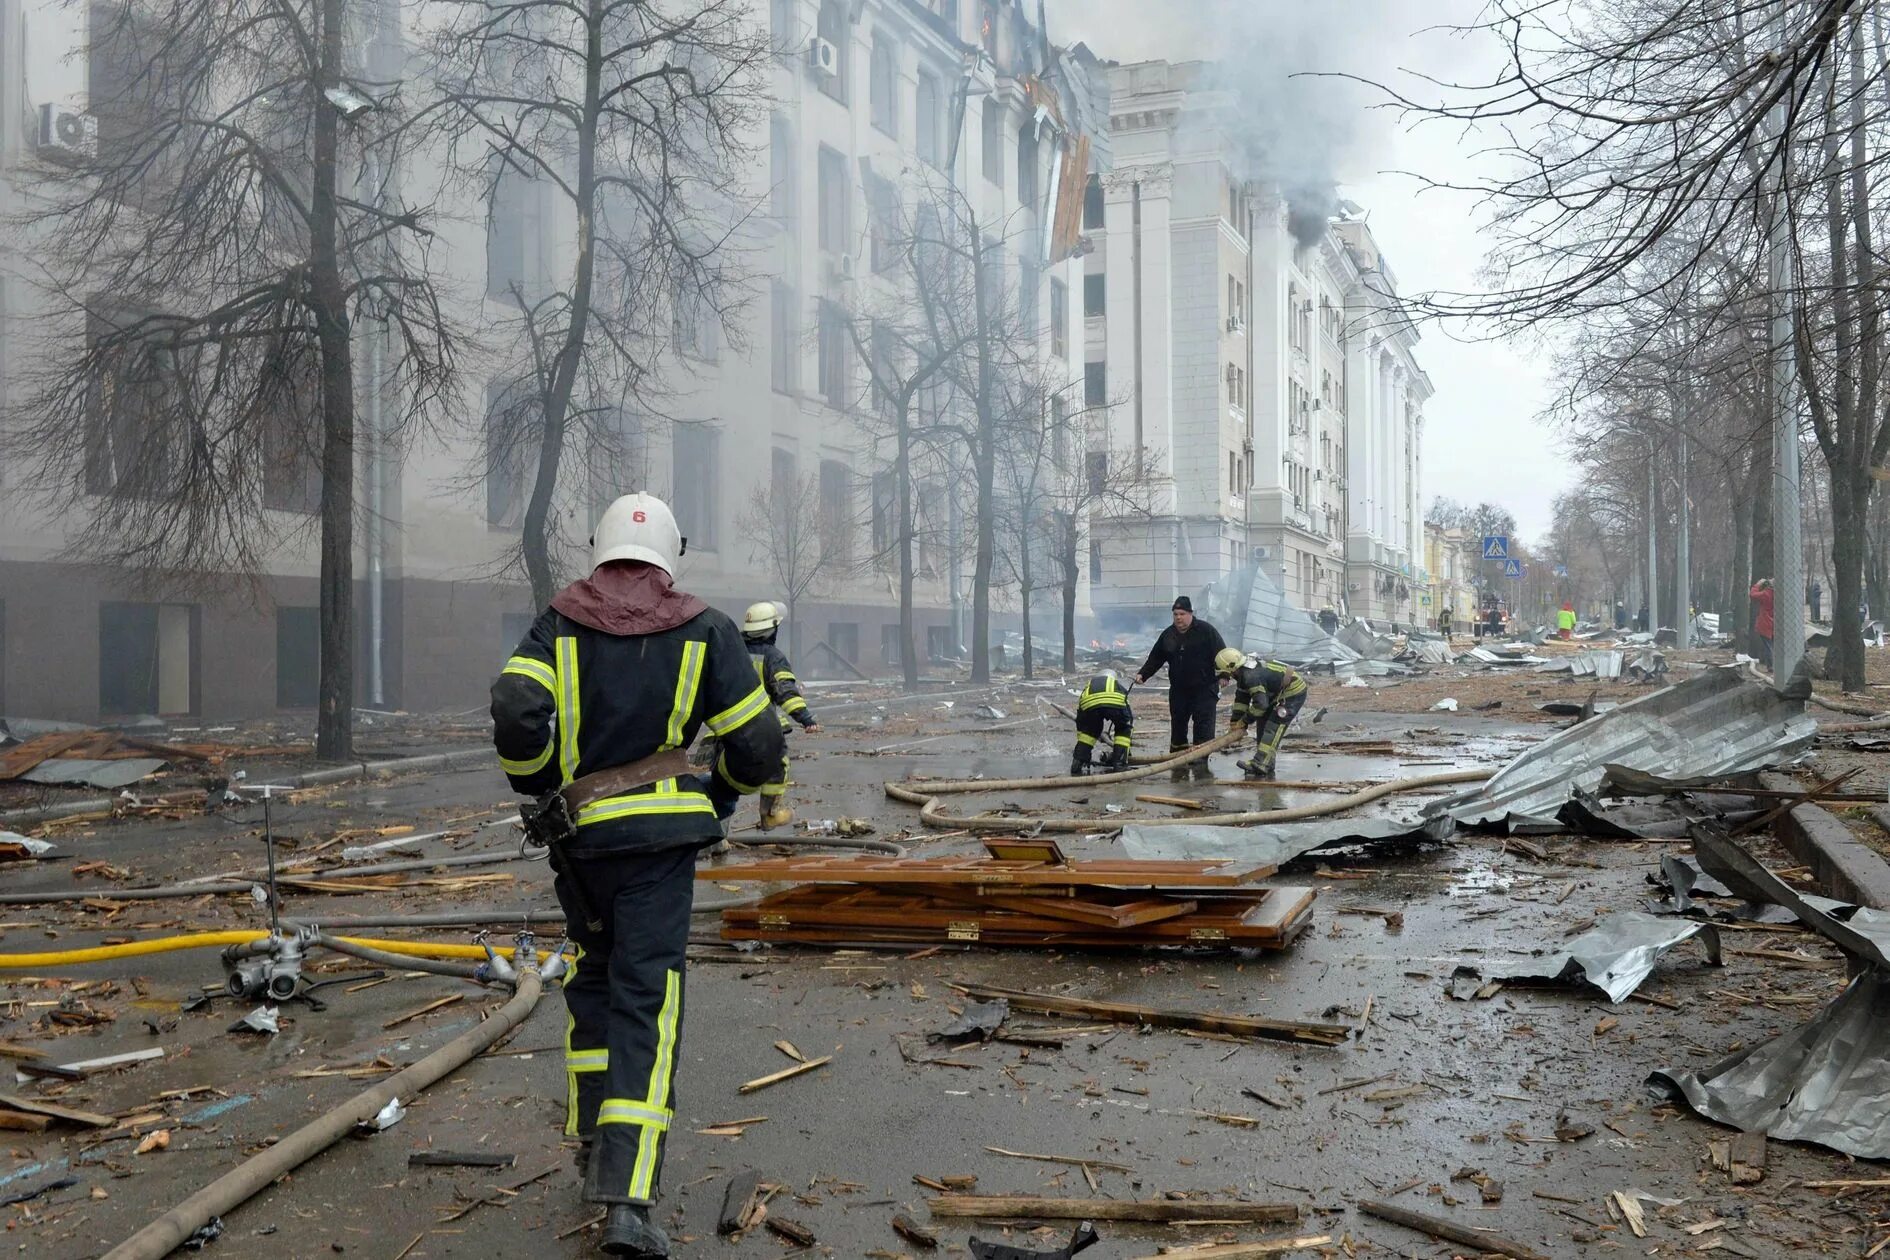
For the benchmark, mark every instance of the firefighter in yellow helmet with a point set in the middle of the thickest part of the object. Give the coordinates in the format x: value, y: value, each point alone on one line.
x: 760, y: 626
x: 1267, y: 694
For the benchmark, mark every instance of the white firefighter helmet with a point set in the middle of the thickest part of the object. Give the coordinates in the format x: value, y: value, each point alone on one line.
x: 761, y: 618
x: 638, y: 527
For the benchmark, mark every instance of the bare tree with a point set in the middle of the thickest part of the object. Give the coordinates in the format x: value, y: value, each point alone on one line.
x: 801, y: 559
x: 208, y: 268
x: 630, y: 121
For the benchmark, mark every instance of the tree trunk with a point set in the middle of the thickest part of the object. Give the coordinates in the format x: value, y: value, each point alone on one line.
x: 1844, y: 660
x: 334, y: 720
x: 908, y: 650
x: 556, y: 387
x: 985, y: 457
x: 1023, y: 584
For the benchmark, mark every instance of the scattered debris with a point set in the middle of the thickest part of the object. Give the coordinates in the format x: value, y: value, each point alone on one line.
x: 27, y: 1196
x: 155, y: 1140
x: 52, y: 1111
x: 1005, y: 1206
x: 384, y: 1119
x: 744, y: 1203
x: 1198, y: 1021
x: 978, y: 1022
x: 1483, y: 1240
x: 263, y: 1020
x: 775, y: 1078
x: 793, y: 1231
x: 461, y: 1159
x: 204, y: 1235
x: 1447, y: 705
x: 1620, y: 951
x: 1083, y: 1237
x: 913, y: 1232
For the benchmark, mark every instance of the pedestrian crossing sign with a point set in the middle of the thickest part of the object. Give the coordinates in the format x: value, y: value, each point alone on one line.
x: 1512, y: 568
x: 1496, y: 546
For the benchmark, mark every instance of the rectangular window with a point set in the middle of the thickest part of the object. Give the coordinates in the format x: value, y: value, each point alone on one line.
x: 1098, y: 471
x: 883, y: 220
x: 883, y: 378
x: 134, y: 433
x: 290, y: 397
x: 889, y: 652
x: 1233, y: 473
x: 930, y: 523
x: 938, y: 642
x: 993, y: 134
x: 836, y: 510
x: 1095, y: 384
x: 1093, y: 203
x: 885, y: 513
x: 927, y: 115
x: 781, y: 478
x: 844, y: 638
x: 1240, y: 386
x: 884, y: 89
x: 616, y: 457
x: 1027, y: 166
x: 512, y: 437
x: 784, y: 338
x: 694, y: 482
x: 1029, y: 296
x: 1059, y: 318
x: 147, y: 658
x: 785, y: 29
x: 298, y: 657
x: 695, y: 325
x: 1095, y: 561
x: 1059, y: 434
x: 1233, y: 398
x: 1095, y: 294
x: 836, y: 195
x: 781, y: 170
x: 833, y: 354
x: 512, y: 236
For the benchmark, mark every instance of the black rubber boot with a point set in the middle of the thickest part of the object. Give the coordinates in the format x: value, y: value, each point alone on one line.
x: 1078, y: 767
x: 628, y: 1232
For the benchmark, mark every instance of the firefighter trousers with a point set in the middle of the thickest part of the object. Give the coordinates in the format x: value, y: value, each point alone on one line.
x: 1273, y: 731
x: 624, y: 996
x: 1089, y: 730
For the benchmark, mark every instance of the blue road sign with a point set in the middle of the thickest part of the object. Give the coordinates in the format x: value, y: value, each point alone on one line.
x: 1512, y: 568
x: 1561, y: 570
x: 1496, y: 547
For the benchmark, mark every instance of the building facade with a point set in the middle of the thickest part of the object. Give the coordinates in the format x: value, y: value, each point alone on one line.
x: 870, y: 99
x: 1256, y: 364
x: 1451, y: 558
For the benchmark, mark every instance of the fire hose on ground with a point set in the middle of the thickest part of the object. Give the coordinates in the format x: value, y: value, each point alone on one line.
x: 163, y: 1235
x: 926, y: 796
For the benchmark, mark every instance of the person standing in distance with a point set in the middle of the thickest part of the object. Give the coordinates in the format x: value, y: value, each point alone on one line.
x: 621, y: 667
x: 1187, y: 648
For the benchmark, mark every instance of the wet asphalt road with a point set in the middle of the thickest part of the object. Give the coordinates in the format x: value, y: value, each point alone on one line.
x: 1458, y: 1090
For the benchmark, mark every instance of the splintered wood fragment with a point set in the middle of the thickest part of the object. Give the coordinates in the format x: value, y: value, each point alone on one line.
x: 775, y: 1078
x: 1001, y: 1206
x: 13, y: 1050
x: 913, y: 1232
x: 793, y: 1231
x: 1081, y: 1161
x: 1249, y: 1092
x: 1131, y: 1013
x: 1243, y: 1251
x: 741, y: 1203
x: 1877, y: 1183
x: 1222, y: 1117
x: 1450, y: 1231
x: 34, y: 1107
x: 791, y: 1051
x: 460, y: 1159
x: 1361, y: 1083
x: 1747, y: 1159
x: 1629, y: 1208
x: 20, y: 1122
x: 582, y: 1225
x: 1179, y: 802
x: 430, y: 1007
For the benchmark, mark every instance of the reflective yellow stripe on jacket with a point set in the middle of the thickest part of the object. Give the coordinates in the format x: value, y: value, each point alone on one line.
x: 539, y: 672
x: 570, y: 710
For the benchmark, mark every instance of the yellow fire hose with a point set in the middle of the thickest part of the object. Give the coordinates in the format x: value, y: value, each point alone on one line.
x: 217, y: 940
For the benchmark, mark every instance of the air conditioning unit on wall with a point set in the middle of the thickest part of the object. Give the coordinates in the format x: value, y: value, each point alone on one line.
x: 824, y: 58
x: 67, y: 131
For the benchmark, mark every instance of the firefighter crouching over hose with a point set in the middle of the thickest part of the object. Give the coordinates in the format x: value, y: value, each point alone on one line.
x: 1268, y: 694
x: 1105, y: 702
x: 593, y: 715
x: 760, y: 626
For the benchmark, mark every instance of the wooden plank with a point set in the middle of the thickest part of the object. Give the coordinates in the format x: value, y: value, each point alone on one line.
x: 1005, y: 1206
x: 33, y: 1106
x: 1075, y: 910
x: 21, y: 1122
x: 1109, y: 872
x: 1244, y: 1250
x: 1015, y: 849
x: 1437, y: 1227
x: 775, y: 1078
x: 22, y: 757
x: 1746, y: 1157
x: 1130, y: 1013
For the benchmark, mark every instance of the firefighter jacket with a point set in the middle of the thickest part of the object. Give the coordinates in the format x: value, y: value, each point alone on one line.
x: 778, y: 680
x: 574, y: 699
x: 1105, y: 697
x: 1189, y: 657
x: 1259, y: 685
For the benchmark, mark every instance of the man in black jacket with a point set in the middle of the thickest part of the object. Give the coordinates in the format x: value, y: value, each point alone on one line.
x: 1188, y: 649
x: 620, y: 667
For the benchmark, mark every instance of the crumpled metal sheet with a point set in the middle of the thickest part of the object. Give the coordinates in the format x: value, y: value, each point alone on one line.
x: 1276, y: 629
x: 1711, y: 726
x: 1620, y: 951
x: 1827, y: 1082
x: 1275, y: 845
x: 1430, y: 652
x: 99, y: 774
x: 1859, y: 931
x: 1598, y: 663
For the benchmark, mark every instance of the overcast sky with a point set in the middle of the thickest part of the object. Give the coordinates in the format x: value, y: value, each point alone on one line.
x: 1481, y: 437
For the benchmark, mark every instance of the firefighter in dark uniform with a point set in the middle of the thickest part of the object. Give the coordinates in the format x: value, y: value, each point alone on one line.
x: 760, y: 625
x: 620, y: 667
x: 1267, y: 695
x: 1104, y: 702
x: 1187, y: 648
